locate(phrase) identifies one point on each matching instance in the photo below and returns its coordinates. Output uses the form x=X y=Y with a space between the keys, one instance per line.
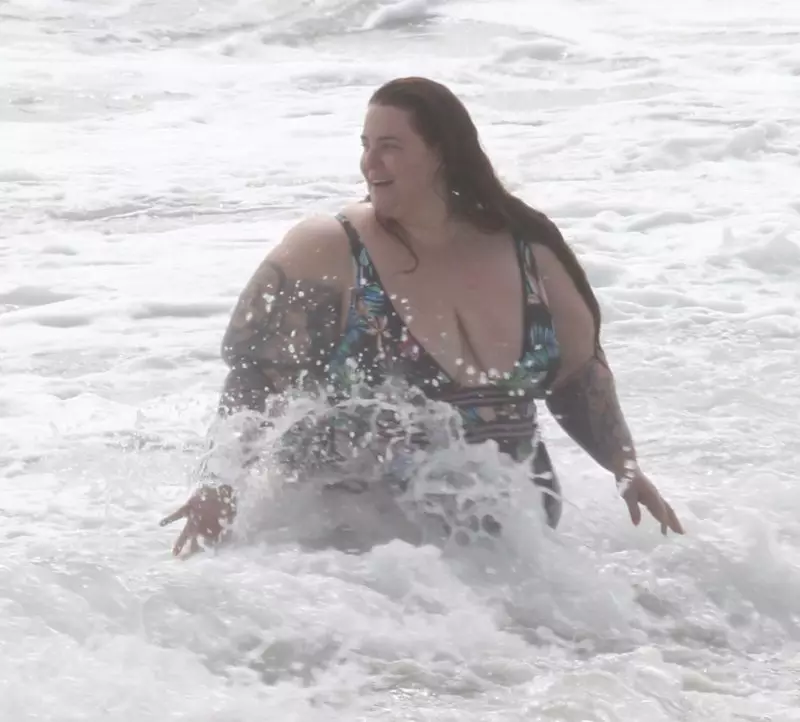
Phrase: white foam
x=400 y=13
x=150 y=155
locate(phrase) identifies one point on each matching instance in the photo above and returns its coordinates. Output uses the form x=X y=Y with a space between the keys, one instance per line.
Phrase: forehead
x=387 y=120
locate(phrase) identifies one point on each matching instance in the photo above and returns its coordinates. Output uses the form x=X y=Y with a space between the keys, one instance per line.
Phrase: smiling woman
x=441 y=279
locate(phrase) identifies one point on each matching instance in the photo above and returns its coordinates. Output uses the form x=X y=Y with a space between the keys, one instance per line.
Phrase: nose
x=370 y=159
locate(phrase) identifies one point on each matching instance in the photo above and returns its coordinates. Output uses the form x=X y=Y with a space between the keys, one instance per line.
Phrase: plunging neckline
x=406 y=329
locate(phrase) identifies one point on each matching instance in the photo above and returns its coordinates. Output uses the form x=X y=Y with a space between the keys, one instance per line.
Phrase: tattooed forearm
x=279 y=329
x=587 y=408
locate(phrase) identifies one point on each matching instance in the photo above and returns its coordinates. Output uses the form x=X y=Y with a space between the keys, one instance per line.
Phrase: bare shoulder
x=297 y=292
x=543 y=236
x=550 y=267
x=566 y=303
x=573 y=320
x=360 y=211
x=362 y=216
x=314 y=248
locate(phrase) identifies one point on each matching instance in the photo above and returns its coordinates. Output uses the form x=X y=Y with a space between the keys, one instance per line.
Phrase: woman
x=441 y=278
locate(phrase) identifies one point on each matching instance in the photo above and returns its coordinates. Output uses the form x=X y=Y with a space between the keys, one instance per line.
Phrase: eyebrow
x=383 y=137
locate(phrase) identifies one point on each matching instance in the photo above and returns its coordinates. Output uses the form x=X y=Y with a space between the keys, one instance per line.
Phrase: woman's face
x=400 y=169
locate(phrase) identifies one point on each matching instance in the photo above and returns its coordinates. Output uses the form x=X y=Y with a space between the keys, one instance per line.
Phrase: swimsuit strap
x=352 y=234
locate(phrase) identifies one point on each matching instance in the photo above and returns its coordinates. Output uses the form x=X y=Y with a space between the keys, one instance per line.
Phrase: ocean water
x=150 y=154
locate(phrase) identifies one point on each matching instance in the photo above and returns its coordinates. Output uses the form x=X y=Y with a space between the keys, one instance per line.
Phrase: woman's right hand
x=208 y=512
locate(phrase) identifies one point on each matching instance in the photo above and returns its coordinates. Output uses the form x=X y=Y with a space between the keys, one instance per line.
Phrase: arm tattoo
x=587 y=408
x=279 y=329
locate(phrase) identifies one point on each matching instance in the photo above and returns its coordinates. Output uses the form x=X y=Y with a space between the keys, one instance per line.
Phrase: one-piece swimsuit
x=377 y=344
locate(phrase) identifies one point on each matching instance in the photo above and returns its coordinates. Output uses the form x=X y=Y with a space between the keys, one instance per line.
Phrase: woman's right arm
x=282 y=325
x=283 y=328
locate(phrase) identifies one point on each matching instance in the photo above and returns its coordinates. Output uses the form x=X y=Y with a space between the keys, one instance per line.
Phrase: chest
x=447 y=328
x=469 y=308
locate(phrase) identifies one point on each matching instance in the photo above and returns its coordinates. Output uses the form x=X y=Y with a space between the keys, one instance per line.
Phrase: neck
x=430 y=226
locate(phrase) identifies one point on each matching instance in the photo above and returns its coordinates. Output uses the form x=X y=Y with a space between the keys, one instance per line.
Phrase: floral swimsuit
x=377 y=345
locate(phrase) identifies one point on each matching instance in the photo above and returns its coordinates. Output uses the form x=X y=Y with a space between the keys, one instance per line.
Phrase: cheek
x=419 y=172
x=390 y=161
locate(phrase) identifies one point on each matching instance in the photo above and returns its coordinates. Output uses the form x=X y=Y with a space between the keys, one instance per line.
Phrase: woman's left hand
x=640 y=490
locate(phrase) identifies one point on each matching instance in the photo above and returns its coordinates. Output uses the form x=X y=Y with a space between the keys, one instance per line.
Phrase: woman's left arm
x=586 y=405
x=583 y=397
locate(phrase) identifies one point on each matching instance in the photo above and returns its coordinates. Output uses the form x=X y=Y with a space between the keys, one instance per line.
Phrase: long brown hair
x=474 y=191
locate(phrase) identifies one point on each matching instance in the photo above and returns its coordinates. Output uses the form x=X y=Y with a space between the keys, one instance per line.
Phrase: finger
x=225 y=537
x=656 y=506
x=179 y=514
x=194 y=547
x=186 y=533
x=674 y=522
x=633 y=508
